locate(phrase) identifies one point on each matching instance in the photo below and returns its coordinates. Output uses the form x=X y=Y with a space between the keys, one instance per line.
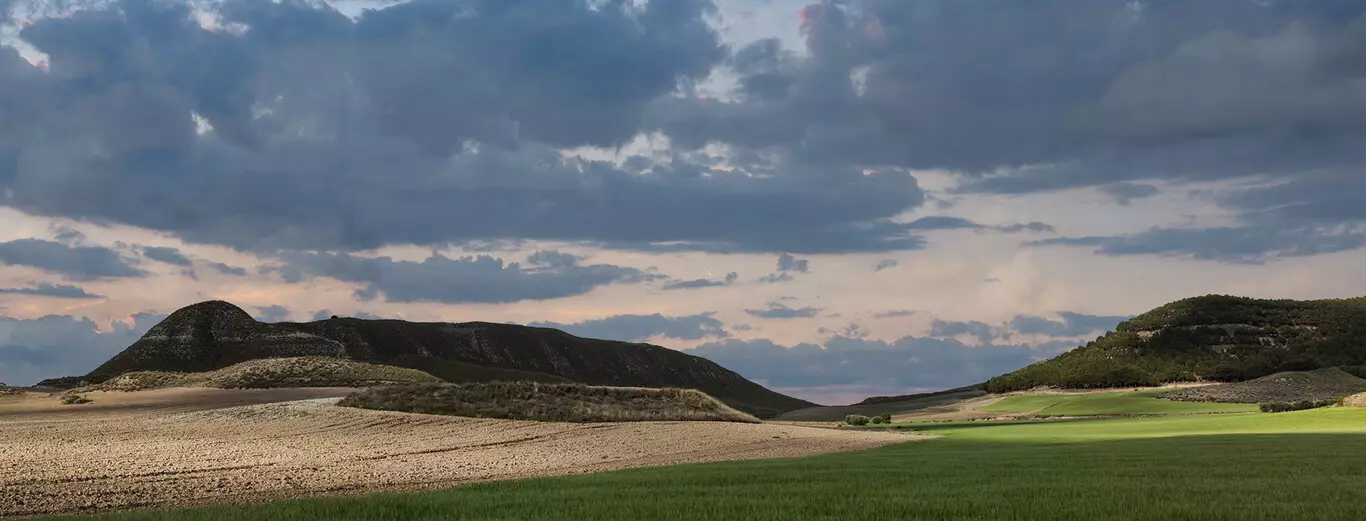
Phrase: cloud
x=79 y=263
x=886 y=264
x=1233 y=244
x=428 y=123
x=787 y=267
x=982 y=331
x=1071 y=325
x=482 y=279
x=1132 y=92
x=272 y=313
x=228 y=270
x=52 y=346
x=51 y=290
x=908 y=363
x=777 y=310
x=940 y=222
x=703 y=283
x=635 y=328
x=894 y=313
x=1125 y=193
x=170 y=256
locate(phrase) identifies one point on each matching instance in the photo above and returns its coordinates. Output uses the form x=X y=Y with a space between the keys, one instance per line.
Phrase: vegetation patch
x=1300 y=405
x=312 y=371
x=1129 y=403
x=548 y=402
x=6 y=390
x=1321 y=384
x=74 y=399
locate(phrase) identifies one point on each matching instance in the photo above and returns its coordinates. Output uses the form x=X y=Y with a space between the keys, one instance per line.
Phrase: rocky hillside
x=1215 y=337
x=213 y=335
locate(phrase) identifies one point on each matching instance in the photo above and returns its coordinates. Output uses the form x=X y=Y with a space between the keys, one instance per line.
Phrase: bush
x=882 y=418
x=74 y=399
x=1295 y=406
x=857 y=419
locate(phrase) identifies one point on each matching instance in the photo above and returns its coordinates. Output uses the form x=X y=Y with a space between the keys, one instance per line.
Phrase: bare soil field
x=181 y=447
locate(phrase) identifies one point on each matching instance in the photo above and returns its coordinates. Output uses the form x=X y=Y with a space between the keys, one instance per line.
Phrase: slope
x=1213 y=337
x=212 y=335
x=1320 y=384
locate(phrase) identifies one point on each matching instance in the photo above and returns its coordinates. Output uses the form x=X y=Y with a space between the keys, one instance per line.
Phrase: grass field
x=1297 y=465
x=1121 y=403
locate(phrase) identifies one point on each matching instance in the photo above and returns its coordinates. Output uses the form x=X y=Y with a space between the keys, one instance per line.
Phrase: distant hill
x=213 y=335
x=1215 y=337
x=1319 y=384
x=894 y=405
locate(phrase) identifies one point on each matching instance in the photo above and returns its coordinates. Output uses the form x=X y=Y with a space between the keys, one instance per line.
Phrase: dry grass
x=1319 y=384
x=270 y=373
x=549 y=402
x=1356 y=400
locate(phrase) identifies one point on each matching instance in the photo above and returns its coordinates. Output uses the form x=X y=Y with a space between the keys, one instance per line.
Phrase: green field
x=1121 y=403
x=1298 y=465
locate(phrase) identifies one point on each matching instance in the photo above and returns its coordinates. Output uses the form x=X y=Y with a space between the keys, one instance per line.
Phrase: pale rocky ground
x=181 y=447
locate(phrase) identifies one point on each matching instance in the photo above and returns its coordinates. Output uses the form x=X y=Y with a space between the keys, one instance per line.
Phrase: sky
x=836 y=199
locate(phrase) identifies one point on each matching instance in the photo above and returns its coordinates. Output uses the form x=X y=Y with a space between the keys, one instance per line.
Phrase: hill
x=1218 y=338
x=267 y=373
x=213 y=335
x=1320 y=384
x=894 y=405
x=548 y=402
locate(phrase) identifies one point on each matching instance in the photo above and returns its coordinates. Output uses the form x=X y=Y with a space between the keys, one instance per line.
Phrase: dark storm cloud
x=423 y=122
x=74 y=262
x=635 y=328
x=52 y=290
x=51 y=346
x=1000 y=93
x=170 y=256
x=777 y=310
x=906 y=363
x=482 y=279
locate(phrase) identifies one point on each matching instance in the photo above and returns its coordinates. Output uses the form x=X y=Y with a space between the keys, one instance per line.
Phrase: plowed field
x=179 y=447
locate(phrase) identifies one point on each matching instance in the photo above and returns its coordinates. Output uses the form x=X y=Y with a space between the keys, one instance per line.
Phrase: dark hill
x=1219 y=338
x=213 y=335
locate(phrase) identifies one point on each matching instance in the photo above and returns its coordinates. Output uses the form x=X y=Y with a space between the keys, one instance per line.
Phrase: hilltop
x=213 y=335
x=1216 y=337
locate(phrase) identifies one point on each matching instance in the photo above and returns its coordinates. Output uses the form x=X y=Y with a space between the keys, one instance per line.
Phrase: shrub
x=1295 y=406
x=882 y=418
x=857 y=419
x=74 y=399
